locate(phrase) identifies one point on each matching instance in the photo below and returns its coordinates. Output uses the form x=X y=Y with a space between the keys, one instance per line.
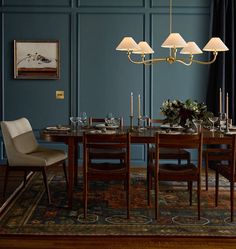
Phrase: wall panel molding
x=110 y=4
x=37 y=3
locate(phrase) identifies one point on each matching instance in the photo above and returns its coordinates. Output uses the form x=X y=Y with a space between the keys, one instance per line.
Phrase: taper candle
x=139 y=113
x=220 y=101
x=227 y=105
x=131 y=105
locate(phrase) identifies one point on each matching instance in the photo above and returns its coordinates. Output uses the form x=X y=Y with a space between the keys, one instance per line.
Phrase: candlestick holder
x=131 y=122
x=227 y=125
x=139 y=121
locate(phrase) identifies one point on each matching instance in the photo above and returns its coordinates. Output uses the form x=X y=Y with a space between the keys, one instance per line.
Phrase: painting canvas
x=36 y=59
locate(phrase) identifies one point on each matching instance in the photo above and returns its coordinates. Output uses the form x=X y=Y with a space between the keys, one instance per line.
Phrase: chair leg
x=199 y=198
x=216 y=188
x=65 y=173
x=206 y=171
x=85 y=196
x=232 y=200
x=128 y=197
x=46 y=184
x=190 y=185
x=156 y=197
x=5 y=181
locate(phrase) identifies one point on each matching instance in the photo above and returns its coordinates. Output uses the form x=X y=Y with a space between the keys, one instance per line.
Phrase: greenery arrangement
x=177 y=112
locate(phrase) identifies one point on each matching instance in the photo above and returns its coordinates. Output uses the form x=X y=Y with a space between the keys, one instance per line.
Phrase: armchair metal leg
x=190 y=185
x=46 y=184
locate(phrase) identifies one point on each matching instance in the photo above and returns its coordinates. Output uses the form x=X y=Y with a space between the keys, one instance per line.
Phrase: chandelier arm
x=153 y=61
x=182 y=61
x=207 y=62
x=135 y=62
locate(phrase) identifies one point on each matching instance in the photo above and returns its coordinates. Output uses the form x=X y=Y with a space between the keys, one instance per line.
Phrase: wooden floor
x=114 y=243
x=101 y=242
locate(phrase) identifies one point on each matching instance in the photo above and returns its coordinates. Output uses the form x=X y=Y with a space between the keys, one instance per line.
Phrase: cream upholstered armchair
x=25 y=154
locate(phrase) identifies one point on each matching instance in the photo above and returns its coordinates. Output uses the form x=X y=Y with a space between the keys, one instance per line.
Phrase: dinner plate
x=167 y=126
x=107 y=126
x=56 y=128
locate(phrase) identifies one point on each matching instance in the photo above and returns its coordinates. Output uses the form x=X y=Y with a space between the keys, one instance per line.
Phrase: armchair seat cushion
x=46 y=156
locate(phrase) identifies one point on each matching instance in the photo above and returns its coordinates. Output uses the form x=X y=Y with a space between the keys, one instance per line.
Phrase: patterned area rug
x=30 y=213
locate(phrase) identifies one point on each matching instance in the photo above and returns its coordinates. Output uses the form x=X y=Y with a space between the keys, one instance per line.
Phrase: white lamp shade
x=191 y=48
x=174 y=40
x=215 y=44
x=128 y=44
x=144 y=48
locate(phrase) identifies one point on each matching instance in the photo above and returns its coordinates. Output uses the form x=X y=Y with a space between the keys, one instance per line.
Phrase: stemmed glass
x=83 y=118
x=142 y=120
x=109 y=120
x=74 y=121
x=198 y=125
x=213 y=120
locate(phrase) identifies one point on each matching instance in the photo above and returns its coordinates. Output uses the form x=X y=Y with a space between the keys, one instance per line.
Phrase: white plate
x=55 y=128
x=100 y=125
x=107 y=126
x=167 y=126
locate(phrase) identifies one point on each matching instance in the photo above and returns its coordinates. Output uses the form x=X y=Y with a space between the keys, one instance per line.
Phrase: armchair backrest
x=18 y=137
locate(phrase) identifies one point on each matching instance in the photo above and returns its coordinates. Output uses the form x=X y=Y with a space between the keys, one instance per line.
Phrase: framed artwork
x=36 y=60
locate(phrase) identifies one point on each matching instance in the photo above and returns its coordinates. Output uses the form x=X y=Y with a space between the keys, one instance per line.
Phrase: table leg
x=71 y=162
x=76 y=162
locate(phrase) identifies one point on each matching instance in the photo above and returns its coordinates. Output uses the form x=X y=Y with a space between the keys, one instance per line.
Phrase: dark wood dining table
x=140 y=136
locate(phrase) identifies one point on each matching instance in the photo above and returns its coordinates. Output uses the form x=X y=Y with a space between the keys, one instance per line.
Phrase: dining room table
x=139 y=135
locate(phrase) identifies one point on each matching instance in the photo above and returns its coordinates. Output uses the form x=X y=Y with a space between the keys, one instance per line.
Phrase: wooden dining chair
x=227 y=169
x=94 y=153
x=165 y=153
x=213 y=156
x=25 y=154
x=187 y=172
x=103 y=168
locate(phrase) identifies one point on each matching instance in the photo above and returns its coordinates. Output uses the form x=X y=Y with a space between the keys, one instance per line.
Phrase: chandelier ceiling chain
x=174 y=41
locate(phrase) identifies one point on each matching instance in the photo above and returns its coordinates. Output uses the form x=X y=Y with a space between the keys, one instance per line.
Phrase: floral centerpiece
x=177 y=112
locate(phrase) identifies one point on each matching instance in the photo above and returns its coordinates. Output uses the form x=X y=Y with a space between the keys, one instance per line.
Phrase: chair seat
x=225 y=170
x=46 y=156
x=107 y=169
x=175 y=171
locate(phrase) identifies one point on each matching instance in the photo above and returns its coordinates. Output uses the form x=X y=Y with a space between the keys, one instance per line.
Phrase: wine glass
x=142 y=120
x=213 y=119
x=223 y=119
x=198 y=125
x=83 y=118
x=109 y=120
x=74 y=121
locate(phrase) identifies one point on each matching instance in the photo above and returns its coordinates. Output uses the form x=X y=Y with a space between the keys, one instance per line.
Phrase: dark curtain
x=222 y=72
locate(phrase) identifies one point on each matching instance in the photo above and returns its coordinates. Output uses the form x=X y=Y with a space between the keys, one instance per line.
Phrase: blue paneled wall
x=94 y=76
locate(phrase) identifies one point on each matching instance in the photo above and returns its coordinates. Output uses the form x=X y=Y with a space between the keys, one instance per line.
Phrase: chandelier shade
x=174 y=40
x=215 y=44
x=191 y=48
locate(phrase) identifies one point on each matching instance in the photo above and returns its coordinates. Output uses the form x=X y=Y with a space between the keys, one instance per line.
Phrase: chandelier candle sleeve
x=220 y=101
x=139 y=113
x=131 y=105
x=227 y=105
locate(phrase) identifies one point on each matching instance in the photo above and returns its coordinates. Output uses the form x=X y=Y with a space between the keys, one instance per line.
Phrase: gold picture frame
x=36 y=59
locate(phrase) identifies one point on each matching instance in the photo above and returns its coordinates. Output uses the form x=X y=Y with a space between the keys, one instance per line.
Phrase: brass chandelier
x=174 y=41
